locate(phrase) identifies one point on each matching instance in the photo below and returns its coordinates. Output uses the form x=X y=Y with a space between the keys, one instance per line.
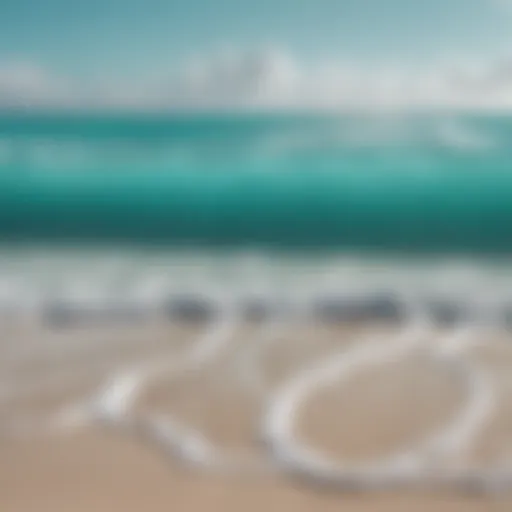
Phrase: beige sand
x=99 y=470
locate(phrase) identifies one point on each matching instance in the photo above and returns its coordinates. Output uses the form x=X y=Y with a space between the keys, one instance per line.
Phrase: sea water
x=257 y=142
x=403 y=181
x=86 y=284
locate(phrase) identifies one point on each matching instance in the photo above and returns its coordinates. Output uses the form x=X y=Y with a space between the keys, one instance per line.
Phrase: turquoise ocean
x=53 y=161
x=422 y=181
x=387 y=141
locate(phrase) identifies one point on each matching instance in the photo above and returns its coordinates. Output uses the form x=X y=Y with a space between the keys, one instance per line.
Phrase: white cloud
x=234 y=77
x=269 y=78
x=26 y=84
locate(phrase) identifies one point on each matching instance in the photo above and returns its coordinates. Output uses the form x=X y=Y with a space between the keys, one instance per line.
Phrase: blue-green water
x=408 y=182
x=254 y=142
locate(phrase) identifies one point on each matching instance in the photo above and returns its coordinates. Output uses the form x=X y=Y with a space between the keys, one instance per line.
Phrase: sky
x=254 y=52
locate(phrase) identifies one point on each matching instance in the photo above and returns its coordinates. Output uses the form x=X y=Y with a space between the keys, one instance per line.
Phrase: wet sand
x=375 y=413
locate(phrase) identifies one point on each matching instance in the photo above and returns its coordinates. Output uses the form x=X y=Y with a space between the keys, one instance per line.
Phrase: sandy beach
x=103 y=468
